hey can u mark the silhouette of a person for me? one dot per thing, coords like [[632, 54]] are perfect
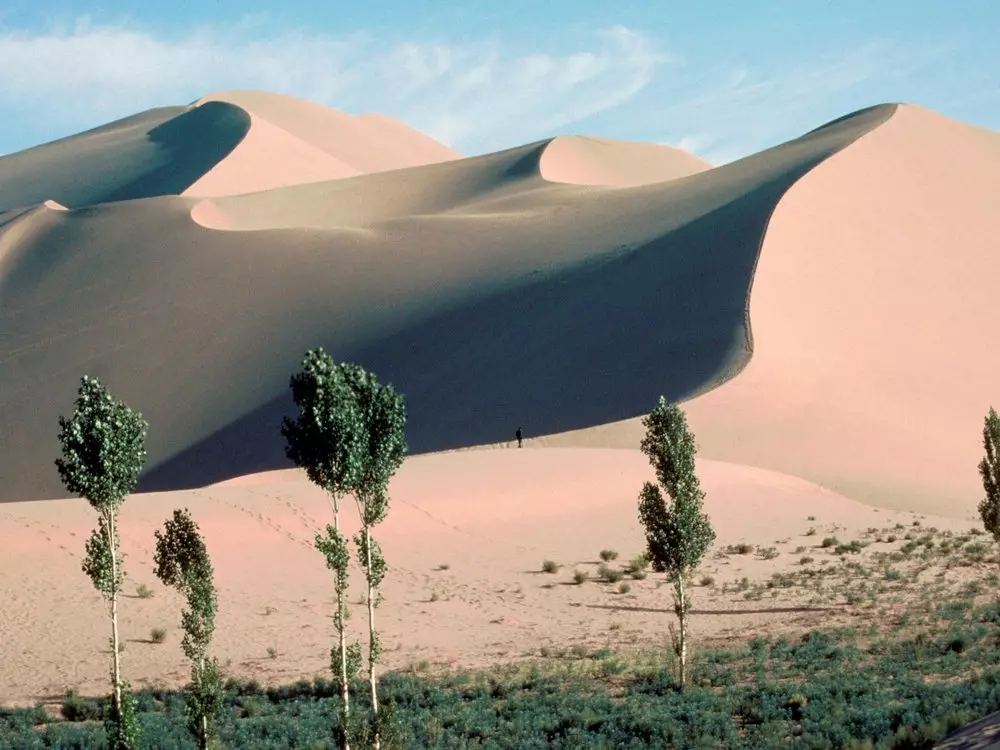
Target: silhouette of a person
[[518, 436]]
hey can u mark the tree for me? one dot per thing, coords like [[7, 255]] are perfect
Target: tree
[[327, 440], [678, 534], [989, 470], [383, 419], [103, 454], [182, 562]]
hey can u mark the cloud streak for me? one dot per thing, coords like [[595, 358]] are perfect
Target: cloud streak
[[475, 97]]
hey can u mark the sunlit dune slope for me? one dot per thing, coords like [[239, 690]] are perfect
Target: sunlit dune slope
[[508, 299], [599, 161]]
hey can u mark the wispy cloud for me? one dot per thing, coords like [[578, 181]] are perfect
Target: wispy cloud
[[741, 109], [476, 97]]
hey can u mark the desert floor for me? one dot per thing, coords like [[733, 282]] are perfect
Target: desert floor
[[465, 540]]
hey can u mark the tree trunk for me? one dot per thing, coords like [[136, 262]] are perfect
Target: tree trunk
[[203, 723], [682, 607], [376, 740], [116, 669], [345, 709]]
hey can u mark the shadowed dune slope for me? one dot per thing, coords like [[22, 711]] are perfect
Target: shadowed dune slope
[[873, 304], [158, 152], [525, 301]]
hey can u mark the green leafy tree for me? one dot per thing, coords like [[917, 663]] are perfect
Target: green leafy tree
[[678, 532], [989, 470], [327, 440], [383, 419], [103, 454], [182, 562]]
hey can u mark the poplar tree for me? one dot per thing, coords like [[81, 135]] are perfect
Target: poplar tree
[[182, 562], [383, 418], [327, 440], [678, 532], [103, 454], [989, 470]]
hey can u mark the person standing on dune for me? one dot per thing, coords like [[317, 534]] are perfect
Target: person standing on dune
[[517, 434]]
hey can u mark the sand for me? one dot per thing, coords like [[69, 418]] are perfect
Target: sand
[[492, 517]]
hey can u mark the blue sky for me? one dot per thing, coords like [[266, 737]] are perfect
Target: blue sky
[[719, 78]]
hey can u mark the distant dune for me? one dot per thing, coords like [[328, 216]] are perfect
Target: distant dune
[[598, 161]]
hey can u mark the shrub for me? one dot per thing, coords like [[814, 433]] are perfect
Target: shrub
[[855, 546], [579, 576], [805, 560], [624, 587], [158, 635], [707, 581], [607, 555], [767, 553], [739, 549], [143, 591], [830, 541], [609, 574], [811, 531], [550, 566]]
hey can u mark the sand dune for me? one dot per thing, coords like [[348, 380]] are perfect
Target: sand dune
[[599, 161], [874, 293], [490, 515], [492, 303], [365, 143]]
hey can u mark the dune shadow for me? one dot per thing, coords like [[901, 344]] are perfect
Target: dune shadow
[[188, 146]]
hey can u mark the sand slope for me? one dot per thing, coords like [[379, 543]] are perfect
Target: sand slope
[[873, 297], [494, 297]]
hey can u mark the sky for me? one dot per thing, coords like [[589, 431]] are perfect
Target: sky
[[719, 78]]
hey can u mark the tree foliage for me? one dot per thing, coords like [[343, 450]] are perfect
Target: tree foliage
[[326, 437], [989, 470], [182, 562], [678, 533], [103, 447]]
